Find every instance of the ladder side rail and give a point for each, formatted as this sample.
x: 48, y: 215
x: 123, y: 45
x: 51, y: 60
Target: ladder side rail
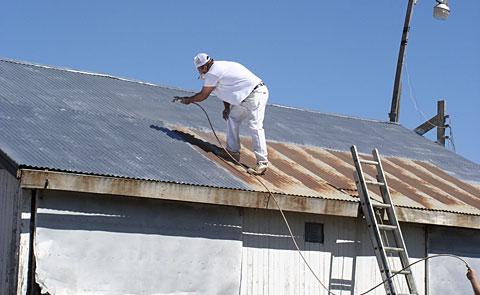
x: 404, y: 258
x: 368, y: 211
x: 376, y: 239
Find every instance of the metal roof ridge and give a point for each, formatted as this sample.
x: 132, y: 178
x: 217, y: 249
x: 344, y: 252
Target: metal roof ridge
x: 333, y: 114
x: 91, y: 74
x: 175, y: 88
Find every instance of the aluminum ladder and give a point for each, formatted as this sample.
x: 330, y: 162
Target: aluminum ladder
x: 379, y: 228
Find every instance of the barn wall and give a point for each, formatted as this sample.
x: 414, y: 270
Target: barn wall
x: 345, y: 262
x: 132, y: 245
x: 117, y: 245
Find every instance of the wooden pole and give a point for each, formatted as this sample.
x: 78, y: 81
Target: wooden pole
x: 441, y: 122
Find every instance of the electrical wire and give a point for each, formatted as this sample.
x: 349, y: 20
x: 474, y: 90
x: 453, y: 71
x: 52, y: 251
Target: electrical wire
x: 411, y: 264
x: 414, y: 99
x: 290, y: 230
x: 417, y: 108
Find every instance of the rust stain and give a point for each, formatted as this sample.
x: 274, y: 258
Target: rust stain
x: 418, y: 184
x: 315, y: 184
x: 472, y: 201
x: 280, y: 182
x: 286, y: 176
x: 395, y: 185
x: 346, y: 158
x: 309, y: 171
x: 345, y: 169
x: 304, y: 159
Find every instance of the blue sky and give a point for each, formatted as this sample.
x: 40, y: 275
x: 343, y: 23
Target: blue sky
x: 331, y: 56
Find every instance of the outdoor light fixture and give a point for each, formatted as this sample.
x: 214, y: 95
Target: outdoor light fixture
x: 441, y: 11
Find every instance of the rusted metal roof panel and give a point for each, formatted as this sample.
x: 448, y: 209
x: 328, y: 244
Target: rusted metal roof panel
x: 97, y: 124
x: 318, y: 172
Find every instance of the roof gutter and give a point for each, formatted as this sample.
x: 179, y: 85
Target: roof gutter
x: 105, y: 185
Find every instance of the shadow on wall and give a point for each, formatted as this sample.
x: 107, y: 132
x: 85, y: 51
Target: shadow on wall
x: 77, y: 211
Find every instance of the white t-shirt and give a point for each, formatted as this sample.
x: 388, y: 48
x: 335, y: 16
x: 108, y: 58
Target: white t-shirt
x: 232, y: 81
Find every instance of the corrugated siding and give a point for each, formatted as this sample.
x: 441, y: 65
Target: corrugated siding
x: 345, y: 262
x: 8, y: 223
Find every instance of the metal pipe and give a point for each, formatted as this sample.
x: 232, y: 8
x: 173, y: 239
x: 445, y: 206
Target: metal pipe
x: 395, y: 108
x: 31, y: 287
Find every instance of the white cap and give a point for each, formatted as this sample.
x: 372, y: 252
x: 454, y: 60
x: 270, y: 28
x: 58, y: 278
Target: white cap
x: 201, y: 59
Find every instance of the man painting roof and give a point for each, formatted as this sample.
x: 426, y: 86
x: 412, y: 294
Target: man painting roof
x: 244, y: 96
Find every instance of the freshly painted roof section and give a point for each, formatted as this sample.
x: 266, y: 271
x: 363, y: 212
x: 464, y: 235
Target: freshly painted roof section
x: 97, y: 124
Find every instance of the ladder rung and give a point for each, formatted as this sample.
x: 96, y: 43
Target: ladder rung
x: 369, y: 162
x: 403, y: 272
x: 374, y: 182
x: 387, y: 227
x: 393, y: 249
x: 381, y: 205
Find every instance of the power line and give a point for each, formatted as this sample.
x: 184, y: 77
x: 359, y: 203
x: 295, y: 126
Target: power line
x: 414, y: 100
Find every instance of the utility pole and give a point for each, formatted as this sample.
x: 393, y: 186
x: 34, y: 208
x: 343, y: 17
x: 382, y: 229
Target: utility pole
x: 441, y: 120
x: 395, y: 108
x: 436, y: 121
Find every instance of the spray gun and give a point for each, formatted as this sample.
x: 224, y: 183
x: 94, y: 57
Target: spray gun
x: 179, y: 99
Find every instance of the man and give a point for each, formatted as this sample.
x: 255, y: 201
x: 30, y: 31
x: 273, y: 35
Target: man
x: 244, y: 97
x: 472, y: 276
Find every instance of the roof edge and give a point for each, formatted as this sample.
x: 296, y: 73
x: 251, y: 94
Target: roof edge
x: 334, y: 114
x: 61, y: 181
x: 8, y: 163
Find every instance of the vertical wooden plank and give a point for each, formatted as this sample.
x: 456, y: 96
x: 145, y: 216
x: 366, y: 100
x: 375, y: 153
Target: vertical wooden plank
x: 9, y: 192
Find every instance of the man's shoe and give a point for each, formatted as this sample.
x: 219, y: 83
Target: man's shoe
x: 259, y: 169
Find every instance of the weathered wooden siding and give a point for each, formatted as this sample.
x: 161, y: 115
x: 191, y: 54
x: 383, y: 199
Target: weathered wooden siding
x: 9, y: 187
x: 345, y: 262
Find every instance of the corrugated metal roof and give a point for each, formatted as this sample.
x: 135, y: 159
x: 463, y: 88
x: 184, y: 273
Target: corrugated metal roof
x: 97, y: 124
x: 319, y: 172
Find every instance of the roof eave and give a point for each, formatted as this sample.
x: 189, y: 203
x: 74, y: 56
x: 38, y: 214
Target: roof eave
x: 94, y: 184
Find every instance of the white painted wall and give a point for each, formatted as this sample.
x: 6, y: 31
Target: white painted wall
x: 118, y: 245
x: 447, y: 275
x: 115, y: 245
x: 9, y: 188
x: 345, y: 262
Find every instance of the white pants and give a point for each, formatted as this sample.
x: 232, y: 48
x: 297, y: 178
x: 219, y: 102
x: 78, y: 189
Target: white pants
x: 252, y: 109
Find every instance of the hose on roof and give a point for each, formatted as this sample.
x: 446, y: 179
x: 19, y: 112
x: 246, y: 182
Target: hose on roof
x: 290, y: 230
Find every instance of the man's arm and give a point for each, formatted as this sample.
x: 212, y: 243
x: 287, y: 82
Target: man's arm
x: 472, y: 276
x: 197, y: 97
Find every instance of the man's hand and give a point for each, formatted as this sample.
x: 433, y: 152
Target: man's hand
x: 471, y: 274
x: 225, y: 113
x: 182, y: 99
